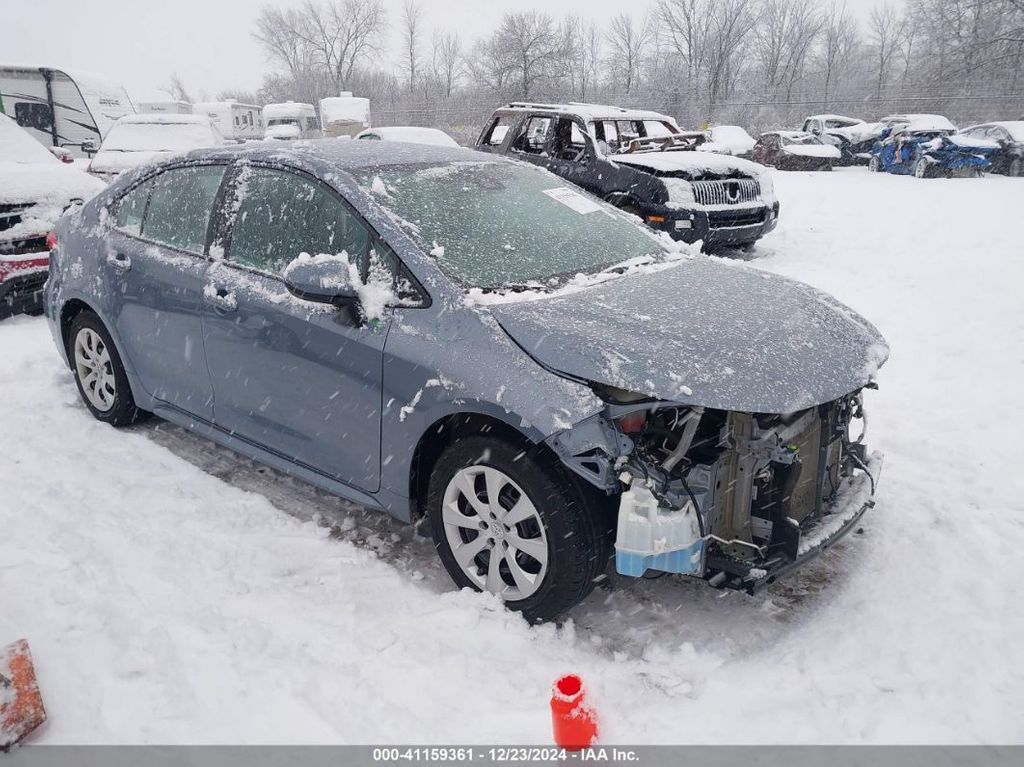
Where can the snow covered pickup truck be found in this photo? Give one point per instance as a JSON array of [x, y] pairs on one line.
[[641, 162]]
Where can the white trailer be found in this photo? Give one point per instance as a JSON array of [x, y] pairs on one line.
[[345, 115], [165, 108], [240, 122], [61, 108], [291, 120]]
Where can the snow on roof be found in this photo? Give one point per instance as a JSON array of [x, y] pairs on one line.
[[345, 109], [287, 109], [164, 118], [412, 135], [854, 120], [16, 145], [213, 106], [1014, 127], [591, 111], [927, 123], [793, 134]]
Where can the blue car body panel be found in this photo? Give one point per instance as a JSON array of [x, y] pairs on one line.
[[900, 153]]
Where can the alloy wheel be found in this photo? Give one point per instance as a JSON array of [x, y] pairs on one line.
[[495, 532], [94, 369]]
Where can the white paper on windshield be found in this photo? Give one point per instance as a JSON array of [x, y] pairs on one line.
[[572, 199]]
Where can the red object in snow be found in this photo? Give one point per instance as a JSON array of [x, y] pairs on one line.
[[21, 705], [572, 719]]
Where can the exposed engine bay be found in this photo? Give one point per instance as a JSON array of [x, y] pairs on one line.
[[745, 496]]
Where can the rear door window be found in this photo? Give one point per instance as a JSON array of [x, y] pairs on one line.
[[179, 207], [495, 135], [533, 136]]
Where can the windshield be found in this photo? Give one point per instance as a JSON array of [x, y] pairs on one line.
[[499, 224], [800, 140], [158, 137], [283, 121], [18, 146]]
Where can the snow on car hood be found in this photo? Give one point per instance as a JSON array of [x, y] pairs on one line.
[[722, 336], [857, 133], [112, 162], [54, 184], [972, 142], [812, 150], [689, 163]]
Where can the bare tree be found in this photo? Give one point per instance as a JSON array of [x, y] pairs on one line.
[[839, 39], [784, 37], [411, 30], [447, 60], [885, 29], [627, 41], [175, 88], [529, 44], [582, 49], [342, 34]]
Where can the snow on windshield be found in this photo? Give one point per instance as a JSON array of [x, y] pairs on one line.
[[159, 137], [501, 224], [18, 146]]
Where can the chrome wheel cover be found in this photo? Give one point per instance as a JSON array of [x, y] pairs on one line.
[[94, 369], [495, 532]]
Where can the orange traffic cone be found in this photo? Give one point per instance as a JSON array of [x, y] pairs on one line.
[[572, 719], [21, 705]]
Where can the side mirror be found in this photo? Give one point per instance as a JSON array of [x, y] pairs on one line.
[[89, 146], [324, 279]]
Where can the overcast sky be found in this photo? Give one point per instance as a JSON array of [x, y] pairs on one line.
[[207, 42]]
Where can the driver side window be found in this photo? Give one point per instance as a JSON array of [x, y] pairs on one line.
[[281, 214], [569, 143], [532, 136]]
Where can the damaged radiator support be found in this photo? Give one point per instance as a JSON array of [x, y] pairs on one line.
[[710, 493]]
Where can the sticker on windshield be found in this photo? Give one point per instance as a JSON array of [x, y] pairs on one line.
[[572, 199]]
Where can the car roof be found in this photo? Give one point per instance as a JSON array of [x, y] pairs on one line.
[[788, 133], [162, 118], [347, 155], [834, 117], [587, 111]]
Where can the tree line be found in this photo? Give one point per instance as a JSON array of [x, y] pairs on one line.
[[757, 63]]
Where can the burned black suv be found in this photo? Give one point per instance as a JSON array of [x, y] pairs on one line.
[[641, 162]]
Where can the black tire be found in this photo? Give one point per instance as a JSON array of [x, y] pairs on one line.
[[874, 164], [577, 527], [123, 411], [1016, 168]]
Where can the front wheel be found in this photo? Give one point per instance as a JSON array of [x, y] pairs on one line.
[[96, 365], [922, 168], [505, 522]]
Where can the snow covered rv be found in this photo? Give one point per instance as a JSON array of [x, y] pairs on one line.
[[345, 115], [165, 108], [291, 120], [240, 122], [60, 108]]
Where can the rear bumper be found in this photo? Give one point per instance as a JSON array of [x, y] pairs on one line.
[[21, 283], [841, 517]]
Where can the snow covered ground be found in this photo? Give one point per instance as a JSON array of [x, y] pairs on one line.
[[175, 593]]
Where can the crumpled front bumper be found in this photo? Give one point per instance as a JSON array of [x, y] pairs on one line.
[[852, 500]]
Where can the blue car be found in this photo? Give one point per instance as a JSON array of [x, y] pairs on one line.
[[927, 146], [436, 332]]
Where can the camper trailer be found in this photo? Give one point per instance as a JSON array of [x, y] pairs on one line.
[[345, 115], [240, 122], [290, 120], [60, 108], [165, 108]]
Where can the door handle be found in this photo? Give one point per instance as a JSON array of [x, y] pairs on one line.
[[120, 261], [220, 298]]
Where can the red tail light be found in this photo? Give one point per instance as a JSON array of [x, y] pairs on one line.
[[67, 158], [51, 240], [634, 422]]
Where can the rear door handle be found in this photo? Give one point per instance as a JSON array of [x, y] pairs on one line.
[[120, 261], [220, 298]]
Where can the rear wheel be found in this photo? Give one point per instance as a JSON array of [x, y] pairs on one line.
[[1016, 167], [874, 164], [506, 523], [922, 168], [96, 365]]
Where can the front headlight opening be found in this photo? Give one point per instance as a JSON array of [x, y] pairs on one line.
[[680, 192]]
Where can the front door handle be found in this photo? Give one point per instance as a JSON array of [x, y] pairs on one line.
[[220, 298], [120, 261]]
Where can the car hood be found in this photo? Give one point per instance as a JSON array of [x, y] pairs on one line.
[[114, 162], [50, 184], [857, 133], [721, 336], [690, 164]]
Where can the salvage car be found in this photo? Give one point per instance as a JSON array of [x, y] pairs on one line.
[[852, 136], [137, 139], [440, 333], [1008, 159], [408, 134], [641, 162], [795, 150], [928, 146], [35, 189]]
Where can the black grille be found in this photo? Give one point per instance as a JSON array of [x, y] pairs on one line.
[[24, 246], [726, 218], [10, 215]]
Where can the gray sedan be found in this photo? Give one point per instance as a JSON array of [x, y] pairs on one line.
[[438, 332]]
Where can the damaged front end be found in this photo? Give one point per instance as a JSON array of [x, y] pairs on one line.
[[738, 499]]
